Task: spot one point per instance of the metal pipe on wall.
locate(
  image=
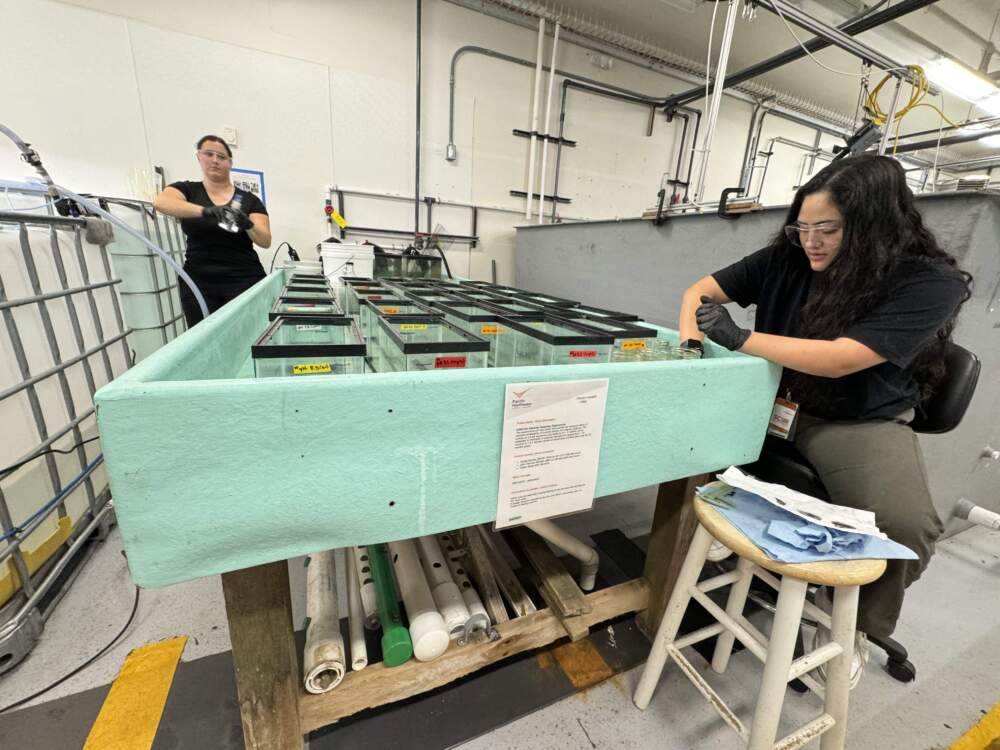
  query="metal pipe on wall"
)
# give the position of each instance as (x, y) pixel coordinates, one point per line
(713, 114)
(534, 118)
(416, 172)
(548, 121)
(862, 22)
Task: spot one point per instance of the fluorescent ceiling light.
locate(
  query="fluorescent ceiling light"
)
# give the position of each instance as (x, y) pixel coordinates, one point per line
(961, 81)
(991, 104)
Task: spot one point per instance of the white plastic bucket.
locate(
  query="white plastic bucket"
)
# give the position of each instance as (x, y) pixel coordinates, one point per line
(346, 259)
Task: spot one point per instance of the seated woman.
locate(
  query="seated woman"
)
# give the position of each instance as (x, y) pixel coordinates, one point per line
(855, 298)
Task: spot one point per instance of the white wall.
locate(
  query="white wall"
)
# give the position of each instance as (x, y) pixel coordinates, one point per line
(323, 92)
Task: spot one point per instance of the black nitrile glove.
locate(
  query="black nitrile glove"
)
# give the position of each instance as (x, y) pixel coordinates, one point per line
(215, 213)
(240, 219)
(716, 323)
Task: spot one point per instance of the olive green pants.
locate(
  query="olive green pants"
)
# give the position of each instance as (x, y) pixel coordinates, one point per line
(877, 466)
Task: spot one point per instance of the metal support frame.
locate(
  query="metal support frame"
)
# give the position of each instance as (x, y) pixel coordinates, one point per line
(837, 38)
(61, 241)
(852, 27)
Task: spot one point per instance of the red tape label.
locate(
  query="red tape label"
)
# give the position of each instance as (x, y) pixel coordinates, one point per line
(440, 362)
(578, 353)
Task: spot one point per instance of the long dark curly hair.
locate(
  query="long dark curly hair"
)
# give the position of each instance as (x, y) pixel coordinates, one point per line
(882, 228)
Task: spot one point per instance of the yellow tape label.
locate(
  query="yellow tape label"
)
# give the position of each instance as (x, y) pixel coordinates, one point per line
(311, 368)
(631, 345)
(413, 327)
(489, 329)
(390, 310)
(340, 220)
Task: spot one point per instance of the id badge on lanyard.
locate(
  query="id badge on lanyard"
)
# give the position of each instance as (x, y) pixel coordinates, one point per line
(782, 423)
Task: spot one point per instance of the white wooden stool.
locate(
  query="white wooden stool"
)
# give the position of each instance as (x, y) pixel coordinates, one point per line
(845, 576)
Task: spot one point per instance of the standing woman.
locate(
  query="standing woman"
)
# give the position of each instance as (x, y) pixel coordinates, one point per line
(856, 299)
(221, 262)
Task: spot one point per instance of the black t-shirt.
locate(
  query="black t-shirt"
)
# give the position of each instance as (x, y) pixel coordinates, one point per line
(213, 250)
(922, 296)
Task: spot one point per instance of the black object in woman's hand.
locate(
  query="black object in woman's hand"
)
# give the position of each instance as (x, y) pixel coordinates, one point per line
(716, 323)
(240, 219)
(216, 213)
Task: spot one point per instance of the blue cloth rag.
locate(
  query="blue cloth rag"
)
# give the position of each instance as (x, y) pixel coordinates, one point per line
(785, 537)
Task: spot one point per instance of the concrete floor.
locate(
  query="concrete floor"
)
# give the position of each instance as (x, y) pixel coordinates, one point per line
(949, 624)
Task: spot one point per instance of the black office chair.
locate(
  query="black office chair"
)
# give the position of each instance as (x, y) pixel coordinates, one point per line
(780, 463)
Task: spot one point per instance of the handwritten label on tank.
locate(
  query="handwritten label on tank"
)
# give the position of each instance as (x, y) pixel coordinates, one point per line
(442, 362)
(312, 368)
(308, 328)
(390, 310)
(407, 327)
(632, 345)
(489, 329)
(374, 296)
(582, 353)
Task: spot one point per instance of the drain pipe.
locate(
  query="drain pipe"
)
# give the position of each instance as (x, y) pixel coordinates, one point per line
(323, 656)
(713, 113)
(416, 171)
(355, 615)
(548, 120)
(534, 118)
(568, 543)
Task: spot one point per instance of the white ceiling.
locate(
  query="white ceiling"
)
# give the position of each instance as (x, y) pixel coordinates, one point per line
(663, 23)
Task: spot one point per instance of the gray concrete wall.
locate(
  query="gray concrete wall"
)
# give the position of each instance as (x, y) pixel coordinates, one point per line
(635, 266)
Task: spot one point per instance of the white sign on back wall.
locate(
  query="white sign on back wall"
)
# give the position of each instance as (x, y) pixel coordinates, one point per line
(250, 180)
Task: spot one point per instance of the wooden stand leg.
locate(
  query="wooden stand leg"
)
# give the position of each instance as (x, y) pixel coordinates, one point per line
(259, 609)
(674, 523)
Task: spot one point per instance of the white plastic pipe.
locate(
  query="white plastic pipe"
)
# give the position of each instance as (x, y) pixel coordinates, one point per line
(534, 118)
(479, 619)
(368, 604)
(445, 591)
(427, 628)
(972, 512)
(569, 544)
(355, 616)
(548, 120)
(716, 101)
(323, 656)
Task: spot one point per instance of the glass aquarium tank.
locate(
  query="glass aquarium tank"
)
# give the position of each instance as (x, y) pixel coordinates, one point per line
(296, 307)
(598, 312)
(629, 335)
(551, 340)
(481, 321)
(353, 295)
(425, 343)
(410, 266)
(371, 309)
(306, 291)
(316, 345)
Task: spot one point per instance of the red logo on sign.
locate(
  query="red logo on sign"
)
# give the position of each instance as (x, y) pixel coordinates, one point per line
(440, 362)
(577, 353)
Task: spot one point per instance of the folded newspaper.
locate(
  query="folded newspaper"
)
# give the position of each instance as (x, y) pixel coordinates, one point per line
(838, 517)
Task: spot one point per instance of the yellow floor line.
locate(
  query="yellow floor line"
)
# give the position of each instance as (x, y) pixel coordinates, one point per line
(984, 735)
(131, 713)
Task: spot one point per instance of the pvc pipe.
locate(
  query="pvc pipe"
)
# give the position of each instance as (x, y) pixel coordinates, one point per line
(427, 628)
(972, 512)
(479, 619)
(713, 116)
(396, 645)
(355, 616)
(534, 118)
(323, 655)
(178, 269)
(445, 591)
(548, 120)
(369, 601)
(587, 555)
